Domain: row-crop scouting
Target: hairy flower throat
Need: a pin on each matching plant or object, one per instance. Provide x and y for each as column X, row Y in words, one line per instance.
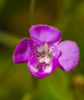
column 45, row 56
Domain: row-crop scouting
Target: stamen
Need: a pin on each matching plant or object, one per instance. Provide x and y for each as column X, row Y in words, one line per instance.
column 50, row 55
column 45, row 59
column 46, row 47
column 42, row 54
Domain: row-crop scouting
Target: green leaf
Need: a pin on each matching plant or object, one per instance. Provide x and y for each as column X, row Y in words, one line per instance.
column 9, row 40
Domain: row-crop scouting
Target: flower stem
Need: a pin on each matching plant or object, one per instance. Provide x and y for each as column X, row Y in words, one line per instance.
column 34, row 80
column 31, row 12
column 31, row 16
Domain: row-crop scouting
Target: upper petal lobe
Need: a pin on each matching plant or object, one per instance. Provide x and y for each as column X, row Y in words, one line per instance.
column 45, row 33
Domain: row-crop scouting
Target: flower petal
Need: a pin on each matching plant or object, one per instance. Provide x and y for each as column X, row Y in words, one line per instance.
column 69, row 55
column 45, row 33
column 41, row 70
column 23, row 51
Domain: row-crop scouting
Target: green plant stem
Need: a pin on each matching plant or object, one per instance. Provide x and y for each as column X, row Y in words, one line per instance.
column 34, row 81
column 31, row 16
column 31, row 12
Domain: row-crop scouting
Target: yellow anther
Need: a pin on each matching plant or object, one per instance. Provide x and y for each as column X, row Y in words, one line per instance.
column 46, row 47
column 50, row 55
column 42, row 54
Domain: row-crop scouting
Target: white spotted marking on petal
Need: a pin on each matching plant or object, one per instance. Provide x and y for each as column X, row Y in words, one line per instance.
column 48, row 69
column 40, row 49
column 34, row 69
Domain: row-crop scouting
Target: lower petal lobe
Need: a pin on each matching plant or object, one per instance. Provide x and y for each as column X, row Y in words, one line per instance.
column 41, row 70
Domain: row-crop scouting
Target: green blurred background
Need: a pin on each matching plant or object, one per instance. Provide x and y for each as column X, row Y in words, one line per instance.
column 16, row 16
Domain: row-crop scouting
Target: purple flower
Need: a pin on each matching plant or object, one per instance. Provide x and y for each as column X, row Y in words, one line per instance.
column 44, row 51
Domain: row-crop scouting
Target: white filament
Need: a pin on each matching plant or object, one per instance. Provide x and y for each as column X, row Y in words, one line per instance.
column 45, row 59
